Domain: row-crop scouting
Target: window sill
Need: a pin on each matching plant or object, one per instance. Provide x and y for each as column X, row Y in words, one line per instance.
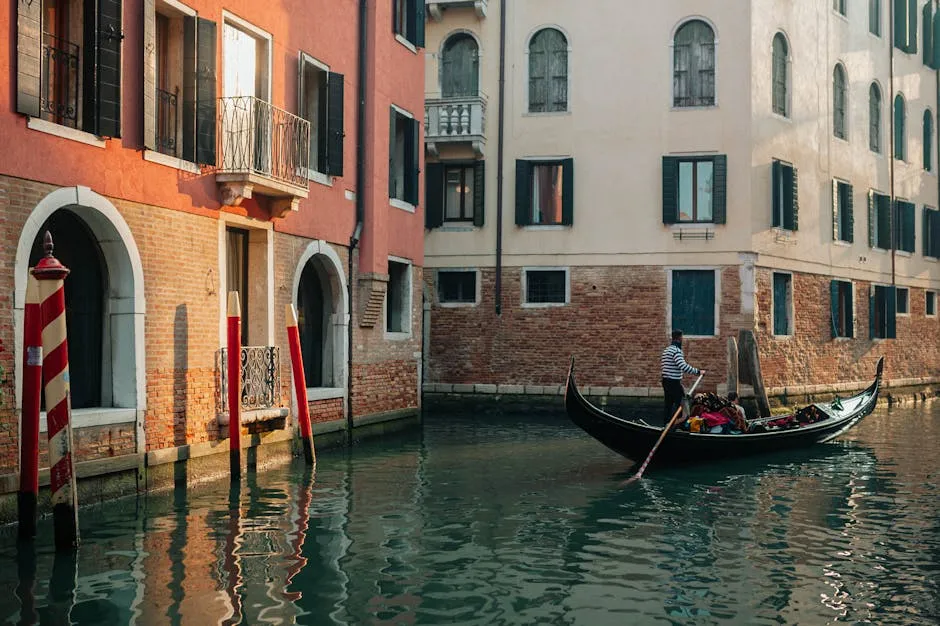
column 704, row 107
column 325, row 393
column 396, row 336
column 73, row 134
column 904, row 253
column 880, row 250
column 401, row 204
column 458, row 305
column 546, row 113
column 545, row 227
column 400, row 39
column 170, row 161
column 781, row 118
column 931, row 259
column 699, row 336
column 543, row 305
column 319, row 177
column 456, row 229
column 841, row 16
column 784, row 337
column 88, row 418
column 842, row 243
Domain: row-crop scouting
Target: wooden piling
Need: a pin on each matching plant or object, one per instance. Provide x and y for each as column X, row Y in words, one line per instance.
column 234, row 366
column 300, row 384
column 749, row 368
column 32, row 398
column 732, row 365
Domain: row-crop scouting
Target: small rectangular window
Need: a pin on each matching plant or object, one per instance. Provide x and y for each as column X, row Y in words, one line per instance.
column 544, row 193
column 879, row 221
column 458, row 193
column 693, row 301
column 842, row 309
column 408, row 20
column 904, row 226
column 883, row 312
column 457, row 287
column 398, row 298
column 843, row 222
column 403, row 158
column 839, row 6
column 784, row 201
column 931, row 303
column 696, row 182
column 546, row 286
column 903, row 296
column 783, row 304
column 547, row 189
column 874, row 17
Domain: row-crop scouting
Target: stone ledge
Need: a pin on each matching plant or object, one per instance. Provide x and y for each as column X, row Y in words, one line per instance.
column 259, row 415
column 10, row 483
column 388, row 416
column 485, row 388
column 208, row 448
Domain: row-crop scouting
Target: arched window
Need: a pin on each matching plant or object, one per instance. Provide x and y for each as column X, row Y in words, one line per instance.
column 874, row 17
column 928, row 141
column 460, row 67
column 780, row 79
column 900, row 147
column 548, row 72
column 839, row 102
column 693, row 65
column 874, row 118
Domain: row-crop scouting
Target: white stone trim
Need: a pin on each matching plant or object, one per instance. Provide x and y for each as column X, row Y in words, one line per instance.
column 525, row 70
column 680, row 268
column 897, row 290
column 178, row 6
column 170, row 161
column 544, row 305
column 87, row 418
column 315, row 394
column 408, row 322
column 316, row 176
column 401, row 39
column 402, row 111
column 395, row 203
column 73, row 134
column 458, row 305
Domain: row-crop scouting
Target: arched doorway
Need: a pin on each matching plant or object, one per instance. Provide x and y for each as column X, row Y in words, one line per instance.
column 460, row 67
column 85, row 288
column 313, row 315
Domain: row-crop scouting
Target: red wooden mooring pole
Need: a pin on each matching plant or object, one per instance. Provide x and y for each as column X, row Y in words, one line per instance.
column 234, row 363
column 32, row 388
column 300, row 385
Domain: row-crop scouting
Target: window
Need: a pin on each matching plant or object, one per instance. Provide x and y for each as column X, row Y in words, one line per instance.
column 874, row 118
column 320, row 102
column 928, row 141
column 398, row 298
column 454, row 192
column 903, row 305
column 904, row 226
column 839, row 102
column 879, row 220
column 65, row 72
column 905, row 25
column 900, row 145
column 843, row 221
column 457, row 287
column 780, row 79
column 882, row 313
column 408, row 20
column 548, row 72
column 874, row 17
column 785, row 197
column 841, row 309
column 544, row 192
column 545, row 286
column 839, row 6
column 460, row 67
column 928, row 26
column 236, row 272
column 694, row 189
column 930, row 304
column 693, row 72
column 693, row 302
column 783, row 304
column 931, row 233
column 404, row 136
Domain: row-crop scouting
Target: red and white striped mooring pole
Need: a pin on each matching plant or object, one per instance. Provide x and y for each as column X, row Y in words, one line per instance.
column 55, row 366
column 234, row 366
column 32, row 390
column 300, row 384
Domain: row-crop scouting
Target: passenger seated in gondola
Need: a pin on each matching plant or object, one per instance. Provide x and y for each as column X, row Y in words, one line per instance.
column 711, row 413
column 741, row 421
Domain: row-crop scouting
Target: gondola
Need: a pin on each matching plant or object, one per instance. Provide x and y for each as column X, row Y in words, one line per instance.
column 633, row 438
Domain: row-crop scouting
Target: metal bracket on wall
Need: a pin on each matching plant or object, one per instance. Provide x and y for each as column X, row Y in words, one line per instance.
column 682, row 234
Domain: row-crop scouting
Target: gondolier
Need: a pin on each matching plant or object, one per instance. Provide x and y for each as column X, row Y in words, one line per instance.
column 674, row 366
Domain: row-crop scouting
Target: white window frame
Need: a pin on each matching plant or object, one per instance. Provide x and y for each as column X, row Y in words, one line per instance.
column 525, row 83
column 907, row 299
column 258, row 33
column 396, row 202
column 407, row 317
column 523, row 282
column 457, row 305
column 313, row 174
column 680, row 268
column 672, row 63
column 791, row 311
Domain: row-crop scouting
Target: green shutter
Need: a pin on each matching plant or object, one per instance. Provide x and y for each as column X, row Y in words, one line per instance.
column 884, row 222
column 871, row 311
column 891, row 300
column 935, row 61
column 912, row 26
column 433, row 195
column 523, row 192
column 928, row 141
column 850, row 314
column 927, row 27
column 835, row 210
column 567, row 192
column 925, row 231
column 670, row 190
column 479, row 192
column 850, row 213
column 900, row 24
column 935, row 234
column 720, row 189
column 899, row 151
column 332, row 110
column 419, row 17
column 776, row 183
column 910, row 230
column 791, row 199
column 834, row 307
column 871, row 218
column 412, row 150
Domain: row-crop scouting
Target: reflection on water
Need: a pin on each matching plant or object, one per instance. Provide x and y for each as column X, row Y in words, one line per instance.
column 514, row 521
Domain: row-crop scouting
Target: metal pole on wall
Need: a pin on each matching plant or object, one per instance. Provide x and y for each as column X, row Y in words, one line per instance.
column 234, row 366
column 51, row 276
column 32, row 390
column 300, row 384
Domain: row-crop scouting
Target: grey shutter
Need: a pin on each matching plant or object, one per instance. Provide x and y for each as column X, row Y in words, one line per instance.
column 794, row 189
column 323, row 136
column 884, row 222
column 850, row 213
column 479, row 192
column 935, row 234
column 835, row 210
column 927, row 26
column 567, row 192
column 538, row 75
column 189, row 89
column 205, row 91
column 776, row 197
column 871, row 311
column 670, row 190
column 102, row 68
column 150, row 75
column 790, row 202
column 523, row 192
column 935, row 60
column 419, row 23
column 28, row 55
column 720, row 189
column 892, row 301
column 925, row 231
column 834, row 306
column 910, row 231
column 412, row 136
column 900, row 24
column 301, row 99
column 871, row 218
column 912, row 26
column 433, row 195
column 335, row 124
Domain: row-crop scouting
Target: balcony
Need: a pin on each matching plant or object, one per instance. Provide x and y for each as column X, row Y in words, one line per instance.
column 262, row 149
column 261, row 385
column 455, row 120
column 436, row 7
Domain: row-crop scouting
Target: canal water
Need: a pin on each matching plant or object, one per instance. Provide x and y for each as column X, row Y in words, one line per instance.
column 515, row 520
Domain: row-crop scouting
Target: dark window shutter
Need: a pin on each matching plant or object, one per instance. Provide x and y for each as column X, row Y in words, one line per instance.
column 301, row 70
column 794, row 188
column 910, row 229
column 871, row 312
column 323, row 138
column 567, row 192
column 433, row 195
column 927, row 26
column 189, row 89
column 205, row 91
column 479, row 192
column 935, row 234
column 788, row 175
column 935, row 60
column 834, row 306
column 850, row 314
column 523, row 193
column 102, row 68
column 884, row 222
column 850, row 213
column 925, row 231
column 335, row 125
column 150, row 75
column 412, row 136
column 912, row 26
column 871, row 218
column 419, row 18
column 670, row 190
column 776, row 185
column 720, row 189
column 892, row 301
column 28, row 55
column 835, row 210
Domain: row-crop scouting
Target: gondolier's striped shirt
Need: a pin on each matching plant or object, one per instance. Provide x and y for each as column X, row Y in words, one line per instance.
column 673, row 362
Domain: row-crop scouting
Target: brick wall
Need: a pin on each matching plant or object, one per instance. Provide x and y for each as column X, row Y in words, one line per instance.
column 326, row 410
column 386, row 386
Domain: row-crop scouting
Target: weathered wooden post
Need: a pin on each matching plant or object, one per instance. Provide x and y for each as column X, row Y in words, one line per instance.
column 32, row 390
column 300, row 384
column 51, row 276
column 732, row 365
column 234, row 366
column 747, row 344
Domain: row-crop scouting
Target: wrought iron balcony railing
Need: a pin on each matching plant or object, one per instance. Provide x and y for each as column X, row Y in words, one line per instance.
column 60, row 71
column 261, row 377
column 455, row 120
column 260, row 139
column 167, row 117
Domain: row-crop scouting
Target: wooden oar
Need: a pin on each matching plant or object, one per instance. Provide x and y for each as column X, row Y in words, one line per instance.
column 666, row 430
